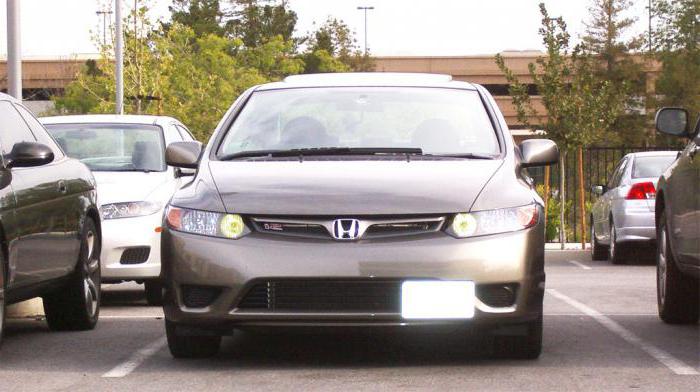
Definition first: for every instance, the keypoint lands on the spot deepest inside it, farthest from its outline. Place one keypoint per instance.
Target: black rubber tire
(598, 251)
(76, 306)
(528, 346)
(3, 285)
(616, 250)
(154, 292)
(678, 295)
(190, 345)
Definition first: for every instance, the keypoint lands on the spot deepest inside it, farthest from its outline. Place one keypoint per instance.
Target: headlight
(504, 220)
(128, 209)
(213, 224)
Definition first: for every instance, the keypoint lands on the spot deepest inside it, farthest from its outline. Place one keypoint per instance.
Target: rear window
(439, 121)
(652, 166)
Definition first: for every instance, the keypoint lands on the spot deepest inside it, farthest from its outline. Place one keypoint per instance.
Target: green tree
(259, 21)
(202, 16)
(605, 39)
(333, 48)
(677, 38)
(576, 101)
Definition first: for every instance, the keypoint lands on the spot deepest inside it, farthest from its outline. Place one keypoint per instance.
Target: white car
(126, 154)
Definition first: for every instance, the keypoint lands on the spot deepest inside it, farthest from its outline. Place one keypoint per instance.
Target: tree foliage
(196, 65)
(576, 101)
(677, 42)
(616, 63)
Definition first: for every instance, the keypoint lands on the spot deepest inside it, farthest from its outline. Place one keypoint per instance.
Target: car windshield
(435, 120)
(651, 166)
(112, 147)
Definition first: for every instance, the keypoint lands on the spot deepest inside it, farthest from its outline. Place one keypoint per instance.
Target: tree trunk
(562, 198)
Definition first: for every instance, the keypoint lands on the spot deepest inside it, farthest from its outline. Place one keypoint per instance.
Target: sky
(65, 28)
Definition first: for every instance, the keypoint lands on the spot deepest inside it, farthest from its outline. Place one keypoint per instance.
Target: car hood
(114, 187)
(351, 187)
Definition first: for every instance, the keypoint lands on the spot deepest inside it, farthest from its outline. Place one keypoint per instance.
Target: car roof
(652, 153)
(108, 119)
(368, 79)
(7, 97)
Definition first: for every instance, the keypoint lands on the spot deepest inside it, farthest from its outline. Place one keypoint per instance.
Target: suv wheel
(154, 292)
(677, 294)
(615, 250)
(598, 251)
(187, 344)
(76, 306)
(528, 346)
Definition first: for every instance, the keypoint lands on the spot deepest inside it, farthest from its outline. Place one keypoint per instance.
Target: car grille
(370, 296)
(135, 255)
(199, 296)
(372, 228)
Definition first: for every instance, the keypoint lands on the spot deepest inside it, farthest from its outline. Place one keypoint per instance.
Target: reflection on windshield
(438, 121)
(112, 147)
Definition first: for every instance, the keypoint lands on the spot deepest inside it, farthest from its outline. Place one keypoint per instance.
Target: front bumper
(235, 265)
(119, 235)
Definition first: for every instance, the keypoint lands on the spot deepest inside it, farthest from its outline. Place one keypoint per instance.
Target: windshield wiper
(322, 151)
(466, 155)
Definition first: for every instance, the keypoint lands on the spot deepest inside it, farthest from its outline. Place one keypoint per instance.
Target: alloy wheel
(91, 274)
(661, 266)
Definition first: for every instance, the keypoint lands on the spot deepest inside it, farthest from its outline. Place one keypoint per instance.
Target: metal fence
(598, 164)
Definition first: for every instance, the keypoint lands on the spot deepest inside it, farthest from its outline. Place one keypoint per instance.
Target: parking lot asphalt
(601, 332)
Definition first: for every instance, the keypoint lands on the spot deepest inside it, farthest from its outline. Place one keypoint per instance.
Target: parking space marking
(579, 264)
(128, 366)
(677, 366)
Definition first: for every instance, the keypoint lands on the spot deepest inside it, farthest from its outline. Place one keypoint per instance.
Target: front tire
(76, 306)
(154, 292)
(190, 345)
(678, 295)
(3, 290)
(528, 346)
(598, 251)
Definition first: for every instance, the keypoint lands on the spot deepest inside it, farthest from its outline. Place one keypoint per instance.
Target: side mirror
(183, 154)
(29, 154)
(539, 152)
(598, 189)
(672, 121)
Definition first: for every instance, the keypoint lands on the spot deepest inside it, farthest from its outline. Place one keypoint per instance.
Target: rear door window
(13, 129)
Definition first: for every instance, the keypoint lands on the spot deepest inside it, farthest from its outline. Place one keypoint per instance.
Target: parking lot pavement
(601, 332)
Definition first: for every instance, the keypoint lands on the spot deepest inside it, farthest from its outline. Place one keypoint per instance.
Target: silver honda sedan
(623, 215)
(363, 200)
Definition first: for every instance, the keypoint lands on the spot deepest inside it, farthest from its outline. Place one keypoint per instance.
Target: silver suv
(357, 200)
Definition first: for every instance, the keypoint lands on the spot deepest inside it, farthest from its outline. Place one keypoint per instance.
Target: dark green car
(678, 224)
(49, 224)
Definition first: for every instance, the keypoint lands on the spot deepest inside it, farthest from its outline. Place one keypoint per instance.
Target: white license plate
(435, 299)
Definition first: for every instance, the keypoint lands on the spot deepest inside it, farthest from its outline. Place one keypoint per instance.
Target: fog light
(231, 225)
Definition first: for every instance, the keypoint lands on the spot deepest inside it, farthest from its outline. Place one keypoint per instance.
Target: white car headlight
(473, 224)
(129, 209)
(213, 224)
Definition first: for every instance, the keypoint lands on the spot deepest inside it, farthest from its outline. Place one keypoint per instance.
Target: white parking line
(135, 360)
(578, 264)
(677, 366)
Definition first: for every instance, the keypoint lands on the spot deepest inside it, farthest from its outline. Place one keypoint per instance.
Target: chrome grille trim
(322, 228)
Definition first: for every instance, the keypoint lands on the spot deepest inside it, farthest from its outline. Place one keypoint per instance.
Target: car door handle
(62, 187)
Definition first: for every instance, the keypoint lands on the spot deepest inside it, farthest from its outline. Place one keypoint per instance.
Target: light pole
(104, 24)
(365, 9)
(119, 57)
(14, 51)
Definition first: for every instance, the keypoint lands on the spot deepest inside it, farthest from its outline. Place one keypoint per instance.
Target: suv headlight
(473, 224)
(213, 224)
(129, 209)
